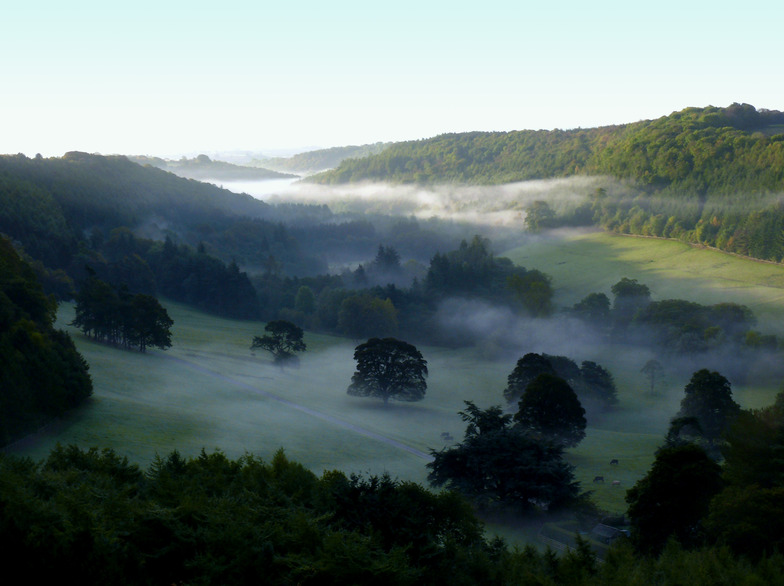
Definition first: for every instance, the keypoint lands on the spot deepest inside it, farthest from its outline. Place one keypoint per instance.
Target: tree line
(41, 373)
(118, 317)
(348, 304)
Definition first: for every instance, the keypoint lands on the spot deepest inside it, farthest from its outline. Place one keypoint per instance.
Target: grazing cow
(616, 483)
(613, 462)
(598, 479)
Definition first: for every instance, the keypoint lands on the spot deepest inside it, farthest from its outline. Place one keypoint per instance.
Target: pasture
(594, 262)
(209, 392)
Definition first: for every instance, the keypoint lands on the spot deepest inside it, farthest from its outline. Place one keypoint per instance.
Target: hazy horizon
(175, 79)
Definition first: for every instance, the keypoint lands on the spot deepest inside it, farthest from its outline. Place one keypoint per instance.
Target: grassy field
(208, 391)
(594, 262)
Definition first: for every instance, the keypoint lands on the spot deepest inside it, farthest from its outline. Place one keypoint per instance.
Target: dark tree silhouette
(150, 323)
(500, 464)
(673, 497)
(709, 400)
(550, 408)
(282, 340)
(596, 384)
(630, 297)
(526, 370)
(594, 308)
(117, 317)
(388, 368)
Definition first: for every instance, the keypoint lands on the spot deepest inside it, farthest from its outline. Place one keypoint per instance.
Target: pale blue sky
(170, 78)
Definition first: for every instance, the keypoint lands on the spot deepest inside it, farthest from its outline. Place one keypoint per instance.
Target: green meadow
(210, 392)
(594, 262)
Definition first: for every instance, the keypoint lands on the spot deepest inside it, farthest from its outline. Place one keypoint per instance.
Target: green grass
(594, 262)
(208, 391)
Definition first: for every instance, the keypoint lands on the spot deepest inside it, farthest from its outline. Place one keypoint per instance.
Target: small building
(607, 533)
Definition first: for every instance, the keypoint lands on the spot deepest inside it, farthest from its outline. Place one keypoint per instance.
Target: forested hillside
(41, 373)
(711, 176)
(114, 216)
(705, 150)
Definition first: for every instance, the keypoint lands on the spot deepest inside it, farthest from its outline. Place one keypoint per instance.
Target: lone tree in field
(282, 341)
(389, 369)
(654, 371)
(550, 409)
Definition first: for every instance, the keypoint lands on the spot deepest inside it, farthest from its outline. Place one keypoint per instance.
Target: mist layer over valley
(498, 205)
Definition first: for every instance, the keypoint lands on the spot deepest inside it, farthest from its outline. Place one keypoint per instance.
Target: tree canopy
(549, 408)
(525, 371)
(673, 497)
(593, 383)
(388, 368)
(708, 398)
(283, 339)
(118, 317)
(498, 464)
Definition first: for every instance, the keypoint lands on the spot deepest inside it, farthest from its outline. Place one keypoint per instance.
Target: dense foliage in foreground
(94, 517)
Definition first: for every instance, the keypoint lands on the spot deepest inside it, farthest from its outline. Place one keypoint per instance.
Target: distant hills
(320, 160)
(699, 150)
(307, 163)
(202, 167)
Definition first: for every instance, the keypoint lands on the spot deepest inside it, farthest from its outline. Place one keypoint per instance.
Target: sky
(172, 78)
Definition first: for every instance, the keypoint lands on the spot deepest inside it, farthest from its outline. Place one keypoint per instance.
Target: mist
(493, 205)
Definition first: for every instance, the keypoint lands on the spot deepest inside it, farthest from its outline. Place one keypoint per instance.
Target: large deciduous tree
(388, 368)
(630, 297)
(709, 400)
(500, 464)
(596, 385)
(593, 308)
(150, 323)
(283, 339)
(550, 408)
(539, 216)
(533, 291)
(526, 370)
